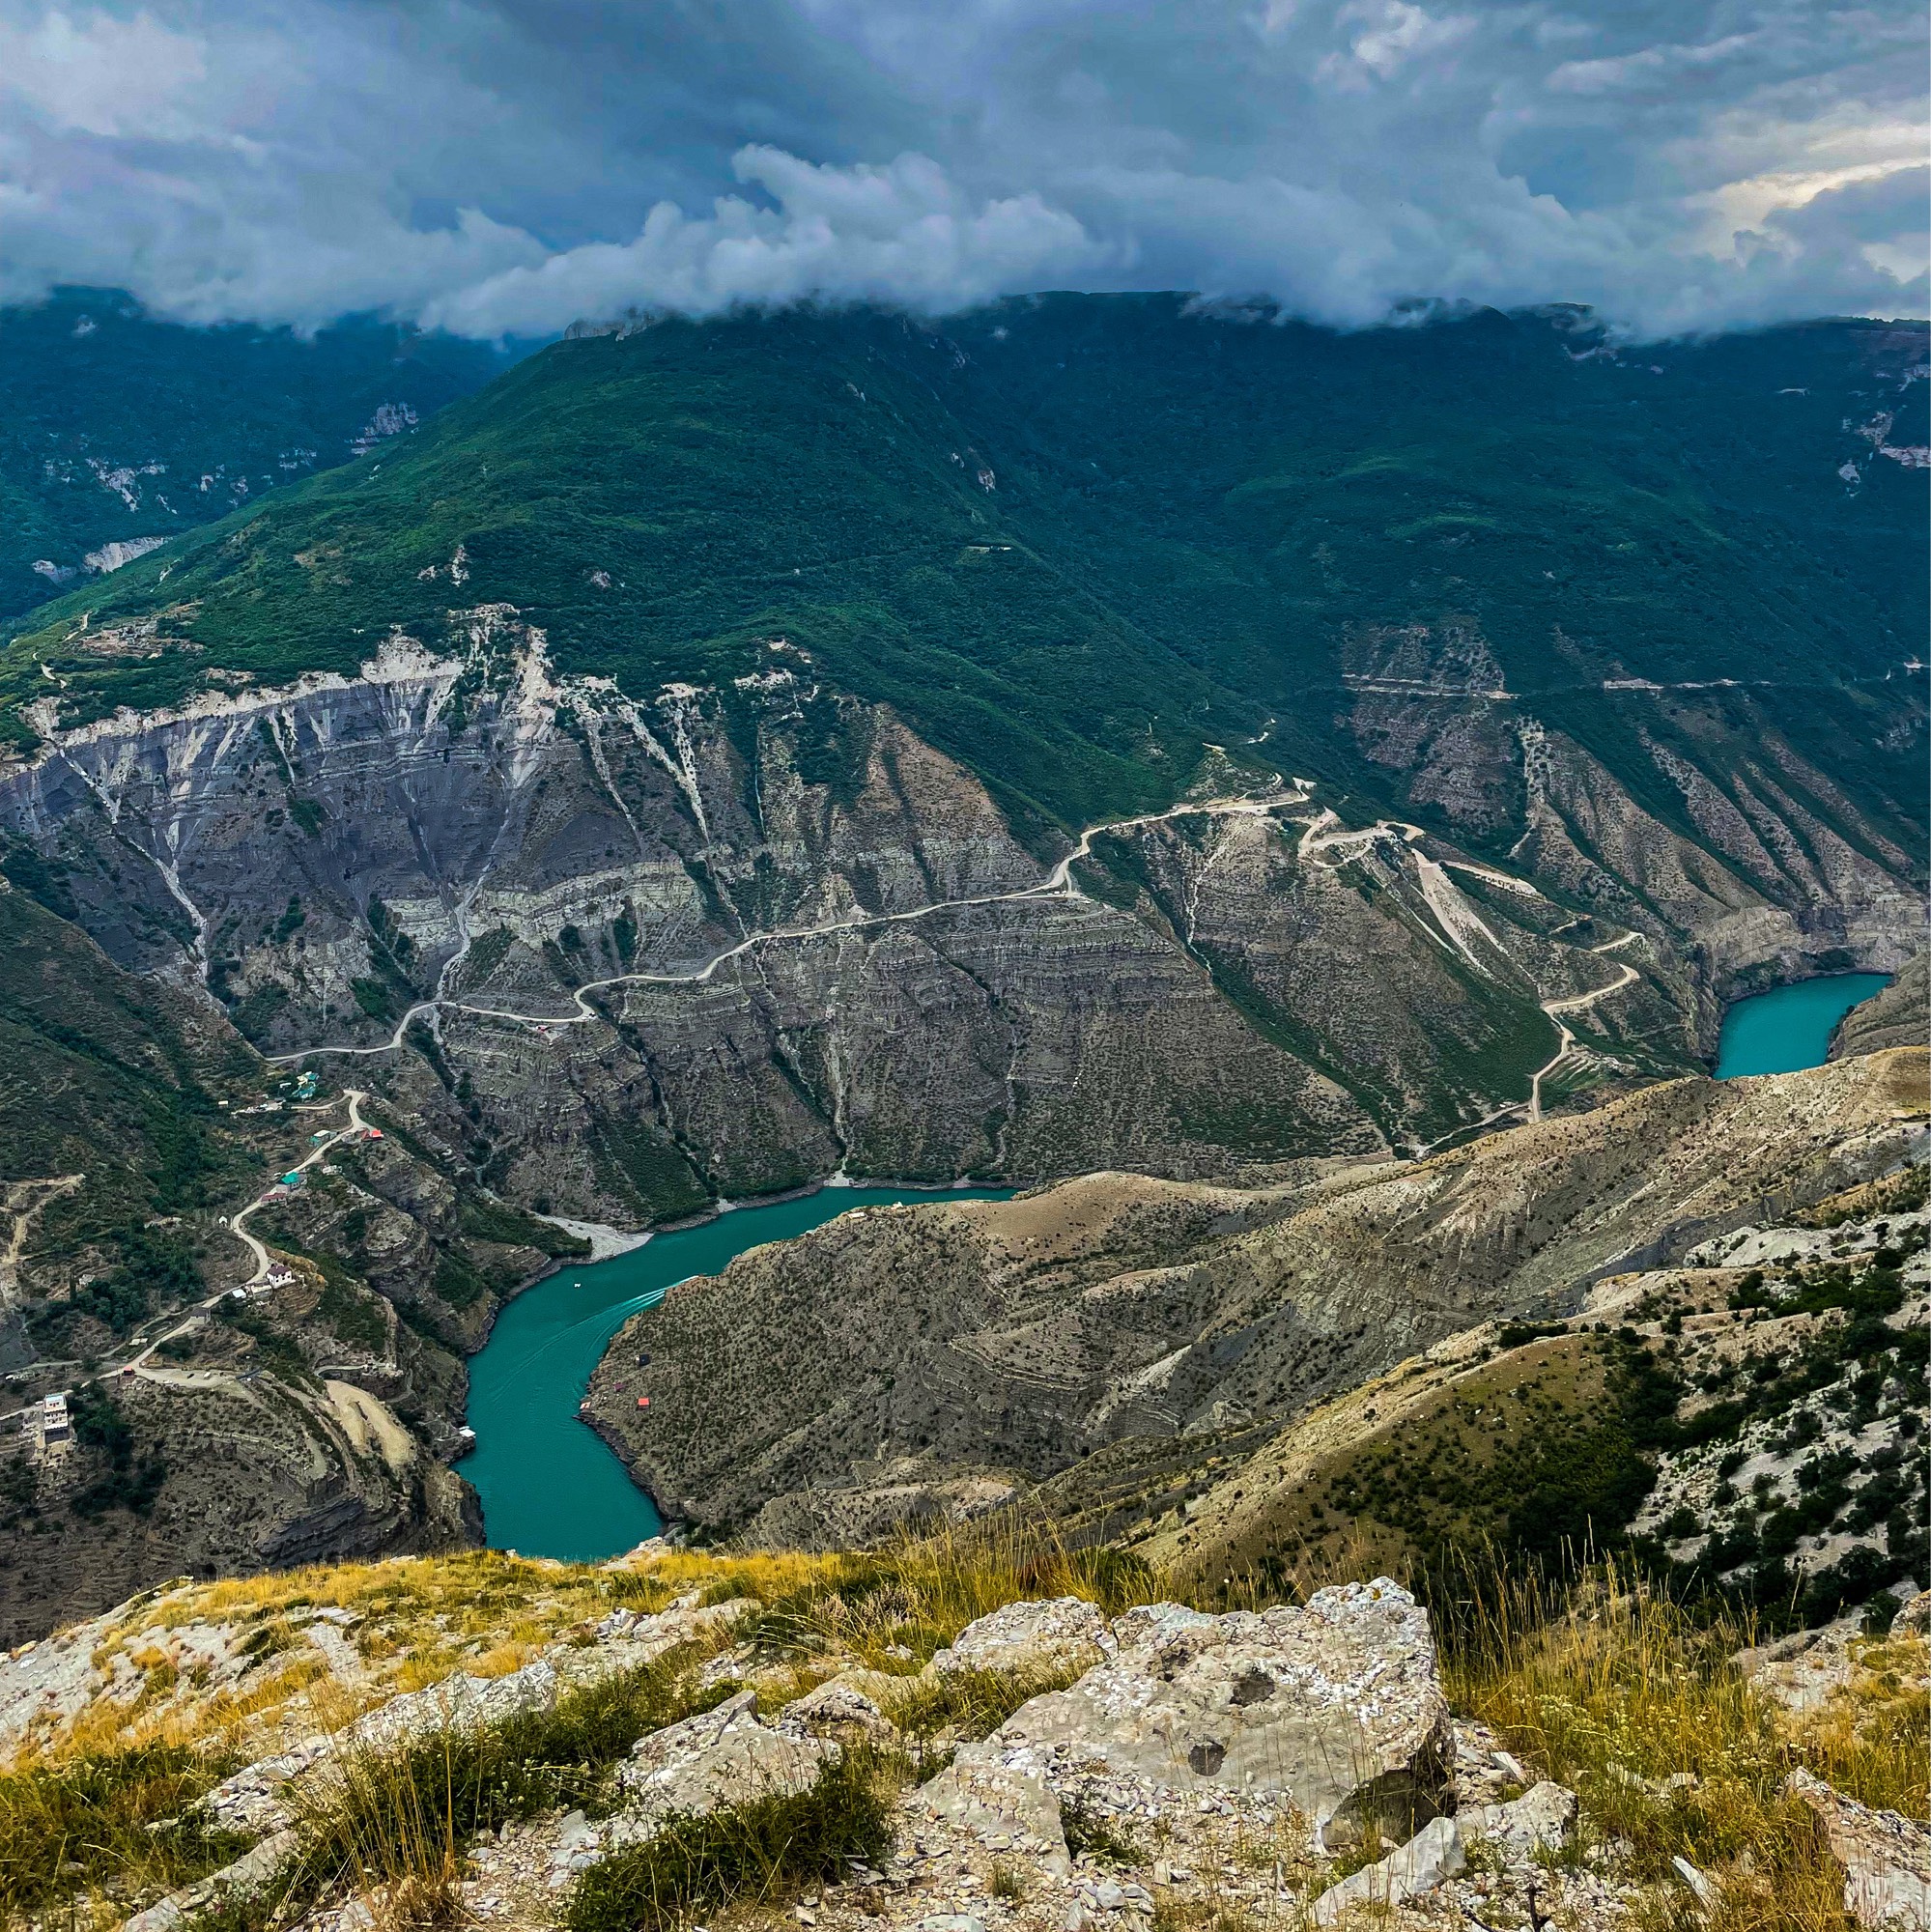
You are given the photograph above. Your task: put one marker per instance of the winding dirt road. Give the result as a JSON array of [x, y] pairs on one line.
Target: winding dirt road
[[1058, 883], [1324, 841], [355, 1096], [1576, 1003]]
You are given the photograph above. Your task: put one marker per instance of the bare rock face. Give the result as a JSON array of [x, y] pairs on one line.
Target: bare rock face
[[1336, 1706], [1065, 1632], [841, 1709], [1885, 1857], [1901, 1015], [1803, 1671], [804, 964], [789, 963], [1008, 1804]]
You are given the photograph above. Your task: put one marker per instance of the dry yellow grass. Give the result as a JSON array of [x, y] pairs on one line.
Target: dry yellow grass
[[417, 1620], [1615, 1692]]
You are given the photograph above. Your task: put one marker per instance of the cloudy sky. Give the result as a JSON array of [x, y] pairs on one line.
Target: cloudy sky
[[504, 166]]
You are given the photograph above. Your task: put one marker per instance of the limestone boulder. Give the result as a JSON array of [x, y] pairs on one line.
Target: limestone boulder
[[254, 1799], [1885, 1857], [1806, 1668], [1335, 1706], [1146, 1623], [1008, 1806], [844, 1708], [722, 1757], [1542, 1819], [251, 1873], [1434, 1855], [641, 1636], [458, 1703], [1057, 1634]]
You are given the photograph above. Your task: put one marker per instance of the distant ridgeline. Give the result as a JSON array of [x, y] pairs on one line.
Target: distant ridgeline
[[1073, 539], [119, 431]]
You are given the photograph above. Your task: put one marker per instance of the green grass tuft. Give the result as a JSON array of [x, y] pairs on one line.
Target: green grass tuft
[[125, 1815], [966, 1705], [1090, 1831], [404, 1815], [756, 1853]]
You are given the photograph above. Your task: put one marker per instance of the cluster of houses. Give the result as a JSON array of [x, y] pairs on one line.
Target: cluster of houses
[[293, 1093]]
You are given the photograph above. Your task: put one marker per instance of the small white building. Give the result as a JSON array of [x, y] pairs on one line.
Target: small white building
[[56, 1425]]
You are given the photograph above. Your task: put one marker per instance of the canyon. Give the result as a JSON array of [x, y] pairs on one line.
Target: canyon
[[1093, 738], [628, 955]]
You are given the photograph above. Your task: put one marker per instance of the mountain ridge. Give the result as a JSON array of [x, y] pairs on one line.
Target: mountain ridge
[[123, 430], [1237, 748], [738, 478]]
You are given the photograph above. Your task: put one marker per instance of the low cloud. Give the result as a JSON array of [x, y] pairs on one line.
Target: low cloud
[[902, 232], [499, 166]]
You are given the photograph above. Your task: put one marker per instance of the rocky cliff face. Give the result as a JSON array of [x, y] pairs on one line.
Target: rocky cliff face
[[1783, 876], [1901, 1015], [819, 1385], [629, 953]]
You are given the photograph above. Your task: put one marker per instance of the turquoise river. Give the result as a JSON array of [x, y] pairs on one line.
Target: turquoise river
[[1790, 1028], [552, 1488], [549, 1485]]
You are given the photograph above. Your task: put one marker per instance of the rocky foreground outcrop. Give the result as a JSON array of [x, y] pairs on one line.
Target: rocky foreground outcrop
[[1310, 1730], [1298, 1761], [1333, 1709]]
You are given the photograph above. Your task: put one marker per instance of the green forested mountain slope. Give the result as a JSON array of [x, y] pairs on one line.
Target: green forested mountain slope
[[119, 429], [108, 1073], [1073, 537]]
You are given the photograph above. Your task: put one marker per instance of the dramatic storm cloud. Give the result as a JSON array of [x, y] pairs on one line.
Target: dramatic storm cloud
[[506, 167]]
